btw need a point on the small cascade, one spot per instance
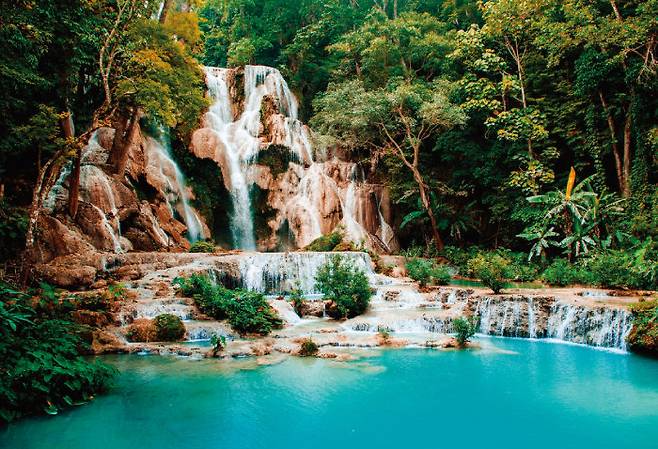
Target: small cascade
(161, 164)
(546, 318)
(280, 273)
(596, 326)
(96, 190)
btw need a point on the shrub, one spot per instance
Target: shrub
(561, 272)
(218, 343)
(142, 330)
(246, 311)
(168, 327)
(459, 257)
(644, 334)
(420, 270)
(42, 369)
(491, 268)
(345, 285)
(297, 300)
(426, 272)
(326, 242)
(441, 275)
(464, 328)
(308, 348)
(202, 246)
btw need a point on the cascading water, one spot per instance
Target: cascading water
(93, 181)
(278, 273)
(239, 138)
(158, 159)
(524, 317)
(311, 196)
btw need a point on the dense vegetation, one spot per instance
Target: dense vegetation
(528, 125)
(345, 286)
(41, 366)
(248, 312)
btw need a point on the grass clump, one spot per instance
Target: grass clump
(246, 311)
(345, 285)
(464, 328)
(326, 242)
(168, 327)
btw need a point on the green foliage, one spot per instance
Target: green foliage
(492, 269)
(326, 242)
(13, 224)
(42, 369)
(297, 299)
(308, 348)
(464, 329)
(246, 311)
(644, 334)
(218, 343)
(560, 272)
(202, 247)
(426, 272)
(168, 327)
(345, 285)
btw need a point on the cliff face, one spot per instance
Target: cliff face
(283, 188)
(146, 210)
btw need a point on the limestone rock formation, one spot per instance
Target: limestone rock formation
(147, 209)
(285, 192)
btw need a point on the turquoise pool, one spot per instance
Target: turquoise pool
(513, 394)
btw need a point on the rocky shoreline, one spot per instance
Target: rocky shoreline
(400, 314)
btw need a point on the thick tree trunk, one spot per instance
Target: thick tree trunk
(126, 135)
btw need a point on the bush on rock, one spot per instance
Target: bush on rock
(168, 327)
(246, 311)
(345, 285)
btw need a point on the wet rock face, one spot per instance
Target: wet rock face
(307, 191)
(116, 214)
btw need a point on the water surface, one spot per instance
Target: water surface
(518, 394)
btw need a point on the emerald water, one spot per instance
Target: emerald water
(512, 394)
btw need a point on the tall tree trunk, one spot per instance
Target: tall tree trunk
(74, 181)
(74, 184)
(613, 142)
(165, 10)
(424, 198)
(626, 190)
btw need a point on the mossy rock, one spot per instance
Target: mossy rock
(142, 330)
(326, 242)
(643, 337)
(202, 247)
(168, 327)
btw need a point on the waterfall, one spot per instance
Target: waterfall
(599, 326)
(524, 317)
(162, 165)
(238, 140)
(279, 273)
